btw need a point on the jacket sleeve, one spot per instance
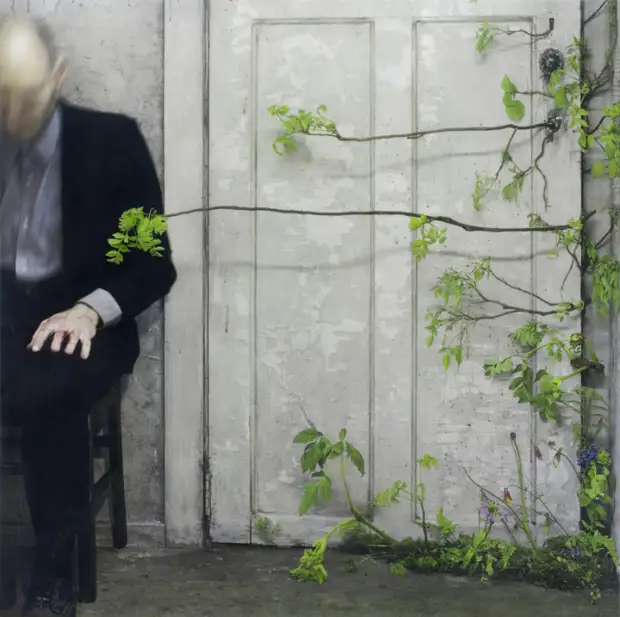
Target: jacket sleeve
(141, 279)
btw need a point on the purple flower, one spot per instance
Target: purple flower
(572, 553)
(587, 455)
(486, 514)
(490, 512)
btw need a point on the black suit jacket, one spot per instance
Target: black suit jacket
(106, 169)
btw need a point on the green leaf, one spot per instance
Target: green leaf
(390, 495)
(515, 110)
(457, 352)
(416, 222)
(494, 368)
(307, 435)
(324, 488)
(508, 86)
(114, 257)
(560, 97)
(419, 248)
(397, 569)
(484, 37)
(309, 458)
(308, 498)
(336, 450)
(355, 457)
(130, 218)
(428, 462)
(446, 526)
(342, 435)
(284, 145)
(511, 191)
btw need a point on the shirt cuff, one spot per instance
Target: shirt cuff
(104, 304)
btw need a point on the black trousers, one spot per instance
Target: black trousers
(49, 395)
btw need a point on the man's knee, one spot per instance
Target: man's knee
(45, 382)
(49, 384)
(54, 386)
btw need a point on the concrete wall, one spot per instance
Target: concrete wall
(115, 51)
(597, 193)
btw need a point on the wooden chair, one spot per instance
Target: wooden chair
(105, 442)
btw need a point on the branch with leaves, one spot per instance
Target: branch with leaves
(141, 231)
(488, 33)
(310, 124)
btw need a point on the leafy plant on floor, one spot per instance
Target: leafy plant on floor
(266, 530)
(587, 560)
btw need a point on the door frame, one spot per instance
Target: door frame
(185, 62)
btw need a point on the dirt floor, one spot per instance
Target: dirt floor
(254, 582)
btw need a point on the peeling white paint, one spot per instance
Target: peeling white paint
(331, 235)
(397, 75)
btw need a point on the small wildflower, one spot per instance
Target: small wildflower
(572, 553)
(587, 455)
(486, 515)
(507, 496)
(490, 511)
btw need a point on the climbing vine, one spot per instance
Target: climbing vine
(462, 301)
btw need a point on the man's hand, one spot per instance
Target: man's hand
(78, 324)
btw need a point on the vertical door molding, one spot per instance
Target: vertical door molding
(184, 83)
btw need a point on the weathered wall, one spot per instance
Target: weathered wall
(597, 192)
(115, 51)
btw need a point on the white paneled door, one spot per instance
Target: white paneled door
(323, 319)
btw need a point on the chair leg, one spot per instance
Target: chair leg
(86, 538)
(118, 507)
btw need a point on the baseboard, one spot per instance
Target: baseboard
(146, 535)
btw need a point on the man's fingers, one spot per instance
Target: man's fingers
(85, 351)
(40, 336)
(61, 328)
(74, 339)
(58, 340)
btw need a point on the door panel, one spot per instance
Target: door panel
(323, 319)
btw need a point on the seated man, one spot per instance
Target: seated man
(67, 316)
